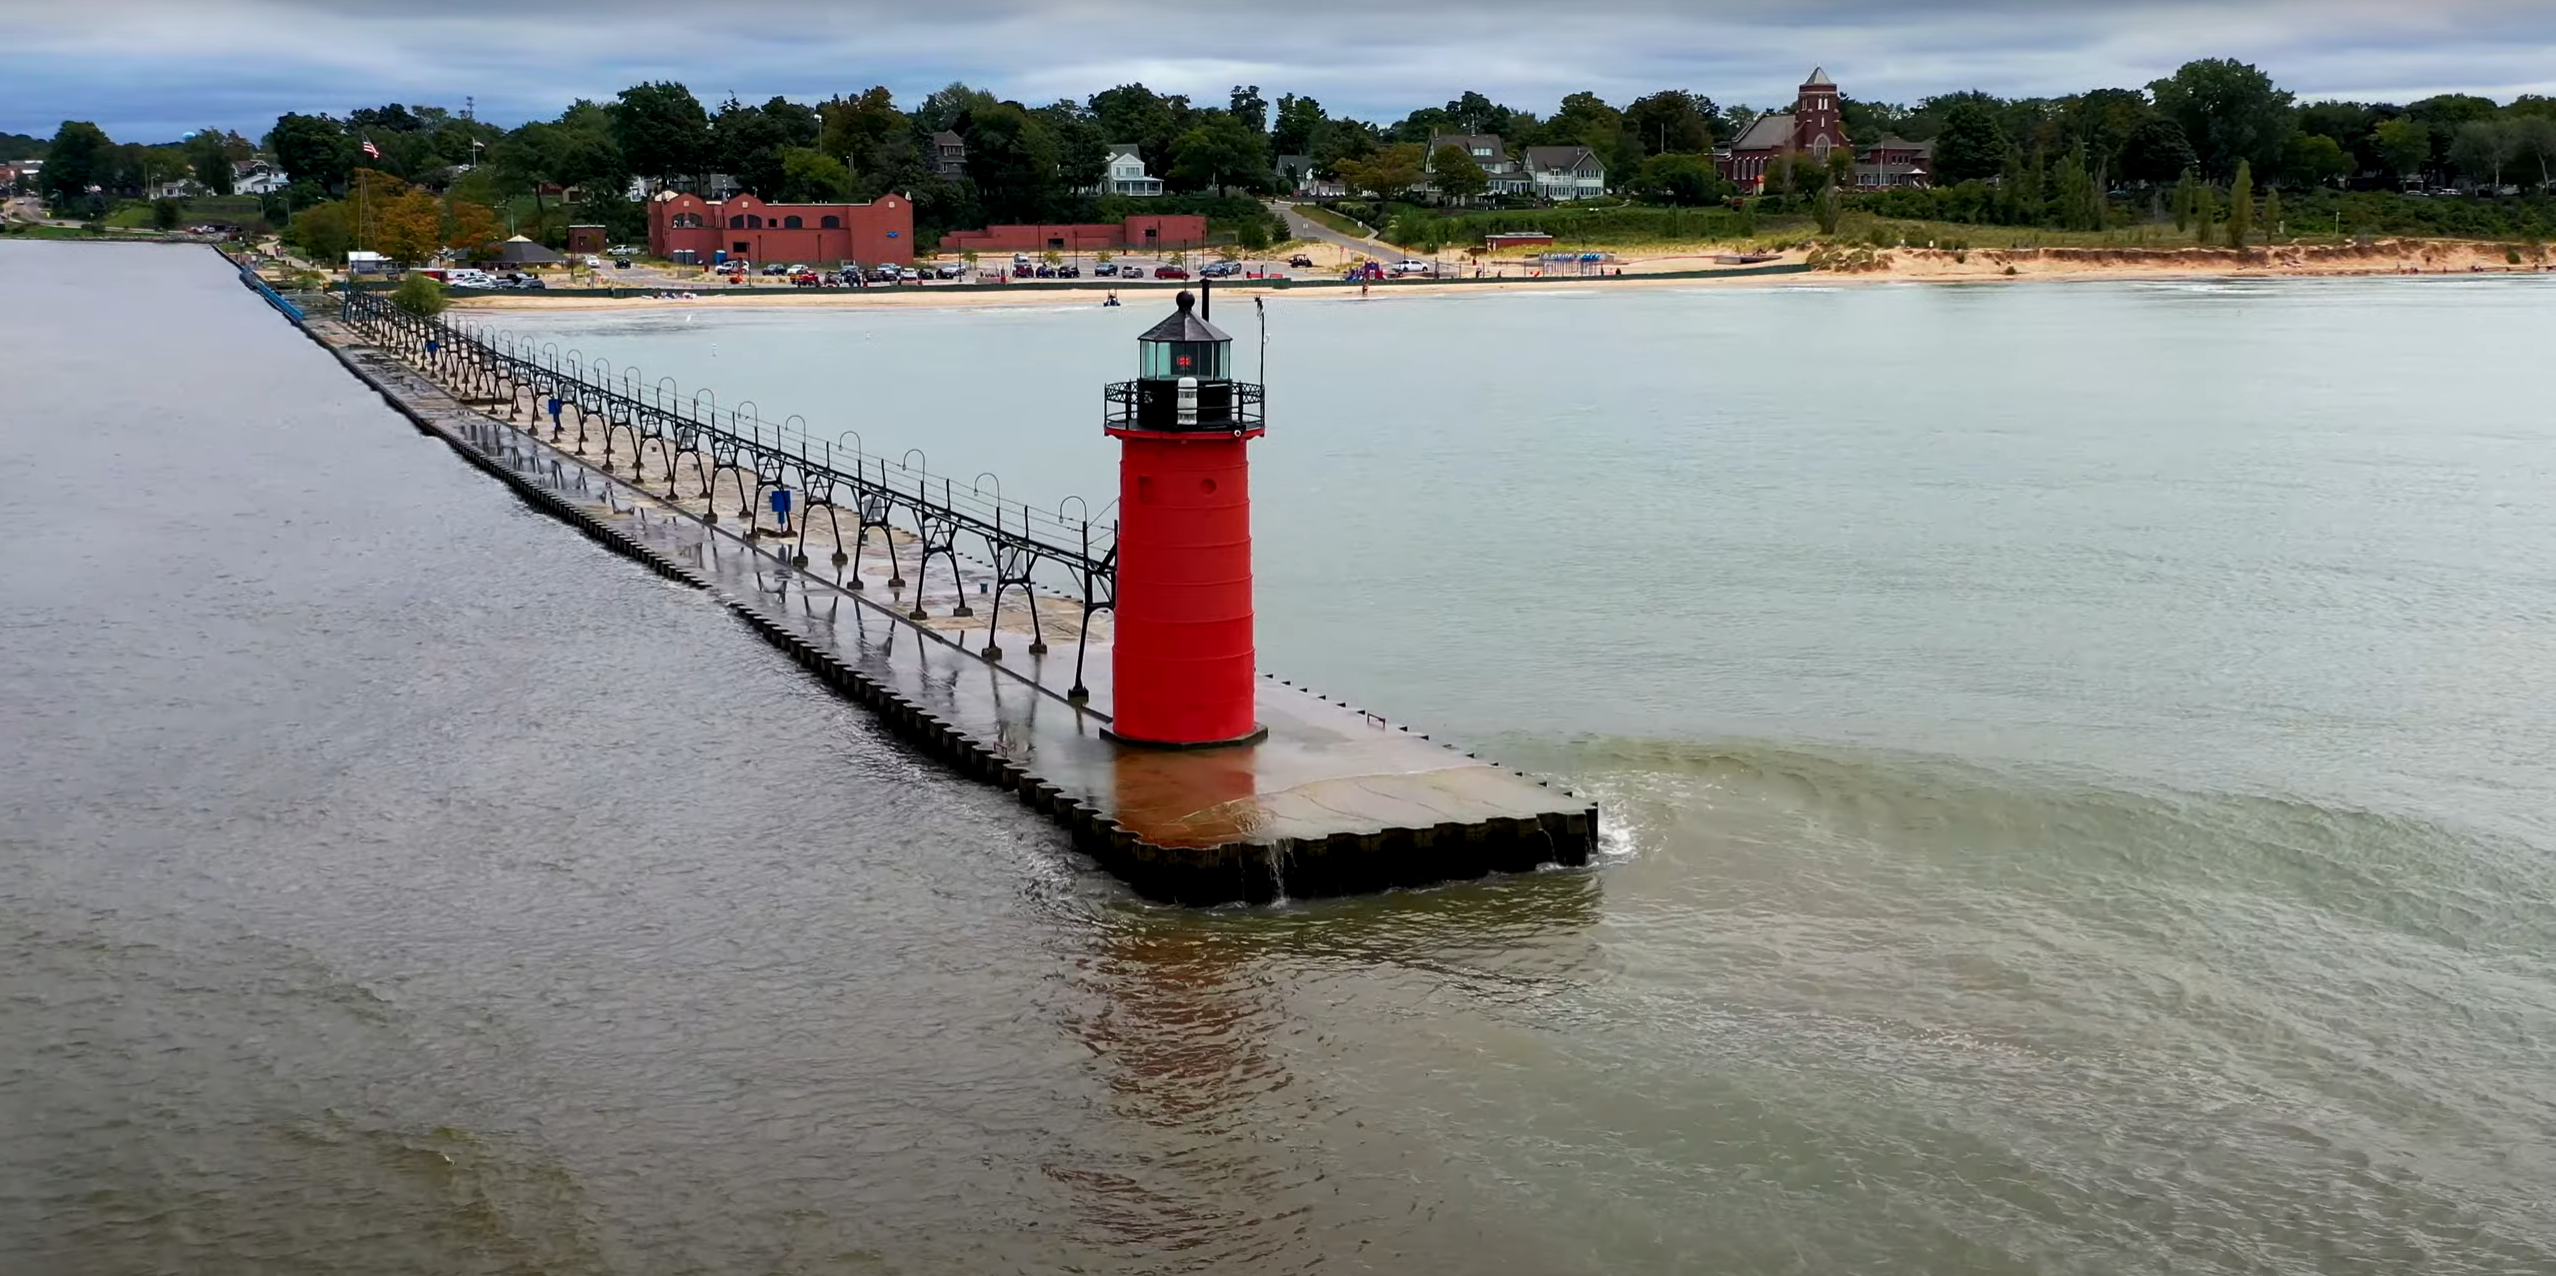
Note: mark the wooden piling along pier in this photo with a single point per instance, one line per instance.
(1335, 800)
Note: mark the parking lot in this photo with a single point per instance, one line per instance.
(1324, 262)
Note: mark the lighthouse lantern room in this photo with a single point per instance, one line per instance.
(1181, 658)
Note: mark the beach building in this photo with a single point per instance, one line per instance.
(520, 251)
(1814, 127)
(1127, 175)
(1564, 173)
(877, 233)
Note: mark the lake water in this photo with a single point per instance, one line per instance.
(2076, 758)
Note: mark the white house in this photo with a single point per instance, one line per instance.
(1127, 174)
(1562, 173)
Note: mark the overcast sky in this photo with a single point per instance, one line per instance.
(148, 70)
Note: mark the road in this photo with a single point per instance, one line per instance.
(1304, 227)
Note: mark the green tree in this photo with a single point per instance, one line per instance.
(1388, 174)
(1457, 176)
(1222, 152)
(1299, 125)
(1825, 210)
(1671, 122)
(165, 214)
(2534, 142)
(949, 106)
(2315, 159)
(420, 294)
(1012, 158)
(2480, 150)
(312, 148)
(2157, 152)
(746, 143)
(854, 129)
(211, 161)
(2230, 110)
(2404, 145)
(2076, 198)
(79, 157)
(1687, 181)
(1971, 145)
(2272, 228)
(2241, 207)
(324, 233)
(1082, 154)
(2102, 120)
(524, 159)
(1586, 120)
(2185, 190)
(1247, 105)
(810, 176)
(662, 131)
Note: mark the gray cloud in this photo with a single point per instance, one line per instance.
(158, 67)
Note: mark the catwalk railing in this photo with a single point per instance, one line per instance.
(737, 452)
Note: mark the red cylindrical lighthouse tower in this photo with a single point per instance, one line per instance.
(1181, 659)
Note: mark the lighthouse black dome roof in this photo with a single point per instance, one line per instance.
(1184, 324)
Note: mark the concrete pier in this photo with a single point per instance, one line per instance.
(1336, 800)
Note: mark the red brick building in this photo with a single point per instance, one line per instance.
(877, 233)
(1170, 233)
(1814, 127)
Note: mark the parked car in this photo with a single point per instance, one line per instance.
(1046, 271)
(776, 268)
(1300, 261)
(621, 263)
(1069, 271)
(909, 274)
(951, 270)
(805, 279)
(1220, 270)
(1106, 269)
(527, 283)
(1414, 268)
(883, 274)
(1170, 272)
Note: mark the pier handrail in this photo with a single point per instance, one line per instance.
(972, 509)
(726, 445)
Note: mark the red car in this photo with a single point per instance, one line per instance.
(1170, 272)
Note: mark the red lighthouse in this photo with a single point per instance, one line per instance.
(1181, 660)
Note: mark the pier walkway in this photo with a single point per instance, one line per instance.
(1336, 800)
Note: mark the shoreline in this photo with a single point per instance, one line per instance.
(1838, 264)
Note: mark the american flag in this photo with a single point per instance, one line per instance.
(371, 151)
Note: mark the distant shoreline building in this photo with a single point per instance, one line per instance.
(1816, 126)
(877, 233)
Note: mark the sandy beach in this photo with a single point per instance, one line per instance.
(1833, 265)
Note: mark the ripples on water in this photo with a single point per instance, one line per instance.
(392, 881)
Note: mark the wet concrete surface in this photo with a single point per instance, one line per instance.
(1335, 799)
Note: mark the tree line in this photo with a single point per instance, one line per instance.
(2020, 160)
